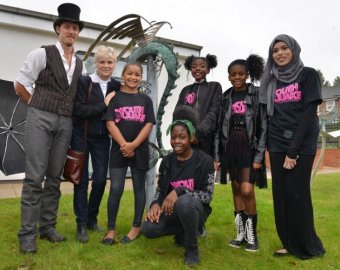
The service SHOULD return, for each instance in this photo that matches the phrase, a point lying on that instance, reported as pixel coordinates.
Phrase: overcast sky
(229, 29)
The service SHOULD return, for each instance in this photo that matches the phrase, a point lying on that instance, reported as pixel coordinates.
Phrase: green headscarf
(187, 123)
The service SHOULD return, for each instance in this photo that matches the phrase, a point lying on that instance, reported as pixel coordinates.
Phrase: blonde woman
(90, 109)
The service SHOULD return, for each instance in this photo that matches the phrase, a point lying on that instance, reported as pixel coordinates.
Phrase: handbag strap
(86, 121)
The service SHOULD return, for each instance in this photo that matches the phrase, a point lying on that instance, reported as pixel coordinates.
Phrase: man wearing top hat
(47, 82)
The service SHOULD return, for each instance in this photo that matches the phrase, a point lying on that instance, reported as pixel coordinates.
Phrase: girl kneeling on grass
(184, 190)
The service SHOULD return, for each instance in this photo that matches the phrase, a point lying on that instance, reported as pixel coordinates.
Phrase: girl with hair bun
(240, 144)
(204, 97)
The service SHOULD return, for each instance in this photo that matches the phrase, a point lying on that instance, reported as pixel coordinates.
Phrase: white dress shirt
(103, 84)
(36, 61)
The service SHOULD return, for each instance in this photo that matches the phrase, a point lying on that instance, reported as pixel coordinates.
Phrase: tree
(336, 82)
(324, 82)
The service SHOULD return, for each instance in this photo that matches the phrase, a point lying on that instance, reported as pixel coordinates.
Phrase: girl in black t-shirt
(240, 145)
(184, 190)
(203, 97)
(292, 93)
(129, 119)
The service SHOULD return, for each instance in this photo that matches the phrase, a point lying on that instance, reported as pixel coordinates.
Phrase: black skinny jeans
(188, 216)
(117, 177)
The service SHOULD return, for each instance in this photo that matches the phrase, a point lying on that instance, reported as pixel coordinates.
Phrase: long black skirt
(293, 207)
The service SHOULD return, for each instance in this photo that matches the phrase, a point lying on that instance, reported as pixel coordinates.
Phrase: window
(330, 105)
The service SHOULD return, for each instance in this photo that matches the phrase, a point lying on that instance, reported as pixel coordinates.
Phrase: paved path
(12, 188)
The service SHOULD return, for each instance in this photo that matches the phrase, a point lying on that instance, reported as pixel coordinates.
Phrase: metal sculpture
(164, 54)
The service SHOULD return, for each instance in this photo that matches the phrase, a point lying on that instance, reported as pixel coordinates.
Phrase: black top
(93, 107)
(190, 98)
(182, 174)
(130, 112)
(291, 101)
(205, 98)
(194, 176)
(238, 107)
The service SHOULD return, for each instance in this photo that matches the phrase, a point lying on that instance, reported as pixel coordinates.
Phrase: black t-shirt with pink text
(238, 106)
(289, 103)
(130, 112)
(182, 173)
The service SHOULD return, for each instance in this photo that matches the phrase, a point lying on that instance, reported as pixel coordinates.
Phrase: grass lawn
(162, 253)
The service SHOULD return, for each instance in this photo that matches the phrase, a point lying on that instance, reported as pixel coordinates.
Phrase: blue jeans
(117, 176)
(98, 146)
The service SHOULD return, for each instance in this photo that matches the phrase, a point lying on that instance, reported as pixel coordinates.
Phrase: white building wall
(22, 33)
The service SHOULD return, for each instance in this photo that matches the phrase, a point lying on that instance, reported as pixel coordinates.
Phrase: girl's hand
(257, 165)
(108, 98)
(289, 163)
(154, 213)
(216, 165)
(169, 202)
(127, 149)
(131, 155)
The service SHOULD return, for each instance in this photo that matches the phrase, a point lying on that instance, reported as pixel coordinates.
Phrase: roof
(330, 92)
(100, 27)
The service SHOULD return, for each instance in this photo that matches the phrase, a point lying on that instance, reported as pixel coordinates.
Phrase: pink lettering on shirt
(290, 93)
(239, 107)
(133, 113)
(190, 98)
(189, 184)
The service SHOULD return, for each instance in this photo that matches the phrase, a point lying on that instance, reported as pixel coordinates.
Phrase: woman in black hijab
(292, 93)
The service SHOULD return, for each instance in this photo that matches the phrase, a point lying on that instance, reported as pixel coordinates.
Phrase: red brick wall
(331, 158)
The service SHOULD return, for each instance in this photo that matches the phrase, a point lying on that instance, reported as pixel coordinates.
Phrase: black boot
(240, 222)
(191, 256)
(28, 245)
(82, 233)
(251, 234)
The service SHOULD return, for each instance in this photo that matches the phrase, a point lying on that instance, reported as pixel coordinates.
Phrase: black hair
(254, 65)
(133, 64)
(184, 112)
(210, 59)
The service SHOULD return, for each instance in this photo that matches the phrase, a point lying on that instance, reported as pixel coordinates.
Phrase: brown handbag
(74, 166)
(75, 160)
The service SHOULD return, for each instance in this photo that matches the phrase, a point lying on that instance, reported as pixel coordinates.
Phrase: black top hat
(68, 12)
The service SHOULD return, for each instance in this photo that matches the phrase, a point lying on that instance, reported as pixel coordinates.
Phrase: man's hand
(169, 202)
(154, 213)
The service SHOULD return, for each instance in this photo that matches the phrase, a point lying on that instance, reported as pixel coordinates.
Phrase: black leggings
(188, 216)
(117, 176)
